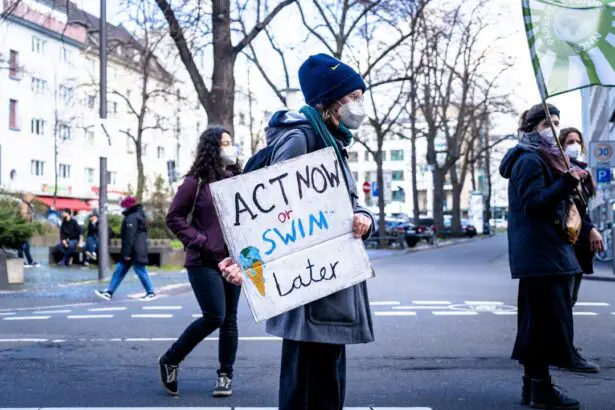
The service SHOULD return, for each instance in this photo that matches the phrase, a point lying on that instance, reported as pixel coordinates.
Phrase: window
(65, 132)
(14, 65)
(398, 175)
(399, 195)
(37, 168)
(38, 45)
(66, 55)
(38, 126)
(13, 119)
(397, 155)
(64, 171)
(114, 110)
(89, 175)
(366, 176)
(368, 156)
(112, 178)
(160, 152)
(89, 137)
(39, 86)
(66, 94)
(91, 101)
(353, 157)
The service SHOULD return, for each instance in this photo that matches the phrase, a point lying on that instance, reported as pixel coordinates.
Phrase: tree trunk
(381, 203)
(439, 175)
(489, 181)
(415, 188)
(222, 96)
(457, 189)
(55, 160)
(140, 171)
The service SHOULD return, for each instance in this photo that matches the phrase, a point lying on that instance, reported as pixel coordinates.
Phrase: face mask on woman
(228, 155)
(547, 134)
(352, 114)
(574, 150)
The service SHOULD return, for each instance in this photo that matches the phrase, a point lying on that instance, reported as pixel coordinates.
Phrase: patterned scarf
(547, 148)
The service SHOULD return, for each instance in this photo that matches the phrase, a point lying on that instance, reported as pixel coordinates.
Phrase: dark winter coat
(134, 236)
(93, 231)
(583, 247)
(203, 238)
(345, 316)
(537, 204)
(70, 230)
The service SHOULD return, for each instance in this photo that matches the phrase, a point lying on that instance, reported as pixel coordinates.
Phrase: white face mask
(547, 134)
(574, 150)
(228, 156)
(352, 114)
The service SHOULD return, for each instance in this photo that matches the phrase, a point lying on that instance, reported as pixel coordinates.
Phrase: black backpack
(263, 157)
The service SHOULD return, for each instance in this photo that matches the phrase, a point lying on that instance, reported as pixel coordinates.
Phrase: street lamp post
(103, 225)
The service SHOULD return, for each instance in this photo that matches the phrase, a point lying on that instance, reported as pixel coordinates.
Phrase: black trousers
(312, 376)
(218, 300)
(575, 288)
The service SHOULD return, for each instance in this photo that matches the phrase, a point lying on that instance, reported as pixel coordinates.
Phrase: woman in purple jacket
(193, 219)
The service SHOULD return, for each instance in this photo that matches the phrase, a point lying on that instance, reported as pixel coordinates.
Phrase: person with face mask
(70, 235)
(134, 253)
(541, 257)
(193, 218)
(313, 368)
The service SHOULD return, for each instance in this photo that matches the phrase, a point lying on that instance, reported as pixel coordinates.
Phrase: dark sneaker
(148, 297)
(581, 365)
(103, 294)
(545, 395)
(223, 386)
(168, 376)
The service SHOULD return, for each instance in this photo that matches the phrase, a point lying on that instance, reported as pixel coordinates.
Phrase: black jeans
(575, 288)
(218, 300)
(24, 252)
(312, 376)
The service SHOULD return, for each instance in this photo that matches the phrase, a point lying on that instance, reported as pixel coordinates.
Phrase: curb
(427, 248)
(599, 278)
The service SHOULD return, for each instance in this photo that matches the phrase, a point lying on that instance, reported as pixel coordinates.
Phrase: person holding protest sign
(542, 256)
(315, 335)
(192, 217)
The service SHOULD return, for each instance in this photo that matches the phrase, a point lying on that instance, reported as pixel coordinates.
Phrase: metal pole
(103, 224)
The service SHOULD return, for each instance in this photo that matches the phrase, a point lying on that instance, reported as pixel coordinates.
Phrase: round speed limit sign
(603, 152)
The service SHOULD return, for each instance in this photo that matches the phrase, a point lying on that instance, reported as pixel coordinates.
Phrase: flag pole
(559, 145)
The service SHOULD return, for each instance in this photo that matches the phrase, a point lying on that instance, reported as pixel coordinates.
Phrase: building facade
(50, 134)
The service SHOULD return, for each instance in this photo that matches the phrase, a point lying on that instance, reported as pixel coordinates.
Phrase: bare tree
(198, 24)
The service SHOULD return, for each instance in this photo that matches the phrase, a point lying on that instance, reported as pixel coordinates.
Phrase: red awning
(73, 204)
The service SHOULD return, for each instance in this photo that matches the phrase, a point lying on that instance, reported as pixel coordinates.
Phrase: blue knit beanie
(325, 79)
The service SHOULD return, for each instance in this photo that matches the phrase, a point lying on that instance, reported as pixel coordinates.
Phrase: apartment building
(49, 101)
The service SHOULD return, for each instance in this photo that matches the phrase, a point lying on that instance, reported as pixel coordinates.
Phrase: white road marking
(207, 408)
(592, 304)
(505, 313)
(58, 341)
(137, 339)
(426, 307)
(152, 316)
(89, 316)
(197, 315)
(398, 313)
(108, 309)
(384, 303)
(480, 302)
(162, 307)
(584, 314)
(455, 313)
(7, 313)
(27, 318)
(47, 307)
(431, 302)
(23, 340)
(48, 312)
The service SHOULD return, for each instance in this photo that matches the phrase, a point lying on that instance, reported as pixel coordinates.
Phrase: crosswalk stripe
(395, 313)
(152, 316)
(27, 317)
(455, 313)
(162, 307)
(204, 408)
(89, 316)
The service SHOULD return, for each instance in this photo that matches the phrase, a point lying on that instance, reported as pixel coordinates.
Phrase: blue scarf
(322, 131)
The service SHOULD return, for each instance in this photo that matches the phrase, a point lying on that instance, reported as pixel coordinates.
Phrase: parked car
(467, 228)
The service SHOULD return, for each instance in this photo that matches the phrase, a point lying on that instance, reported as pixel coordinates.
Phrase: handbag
(196, 197)
(572, 222)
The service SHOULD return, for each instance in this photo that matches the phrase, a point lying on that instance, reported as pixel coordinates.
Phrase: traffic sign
(601, 154)
(603, 175)
(366, 187)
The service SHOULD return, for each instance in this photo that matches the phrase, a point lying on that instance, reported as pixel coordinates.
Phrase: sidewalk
(376, 254)
(602, 272)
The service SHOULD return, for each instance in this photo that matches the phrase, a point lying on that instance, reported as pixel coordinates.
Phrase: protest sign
(289, 226)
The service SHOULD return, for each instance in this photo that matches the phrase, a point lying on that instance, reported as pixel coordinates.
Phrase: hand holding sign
(361, 225)
(231, 271)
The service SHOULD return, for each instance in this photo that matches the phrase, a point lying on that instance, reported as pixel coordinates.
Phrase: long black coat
(583, 247)
(134, 235)
(537, 203)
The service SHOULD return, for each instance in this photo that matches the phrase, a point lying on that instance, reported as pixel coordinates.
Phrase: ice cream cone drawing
(251, 261)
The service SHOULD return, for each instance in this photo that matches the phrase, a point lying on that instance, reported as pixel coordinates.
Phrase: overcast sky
(521, 77)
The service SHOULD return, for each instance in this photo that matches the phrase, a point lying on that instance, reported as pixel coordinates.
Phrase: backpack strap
(196, 197)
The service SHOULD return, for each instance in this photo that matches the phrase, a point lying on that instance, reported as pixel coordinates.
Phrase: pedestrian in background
(93, 237)
(541, 256)
(70, 236)
(192, 217)
(134, 252)
(313, 368)
(590, 241)
(26, 210)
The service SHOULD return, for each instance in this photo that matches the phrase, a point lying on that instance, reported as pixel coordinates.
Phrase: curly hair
(208, 164)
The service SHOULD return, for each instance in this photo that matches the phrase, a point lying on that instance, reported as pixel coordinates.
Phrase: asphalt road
(444, 320)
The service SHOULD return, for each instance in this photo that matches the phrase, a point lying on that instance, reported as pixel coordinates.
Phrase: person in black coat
(541, 257)
(134, 250)
(70, 235)
(92, 238)
(590, 241)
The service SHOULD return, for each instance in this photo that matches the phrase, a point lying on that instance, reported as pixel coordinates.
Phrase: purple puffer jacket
(203, 238)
